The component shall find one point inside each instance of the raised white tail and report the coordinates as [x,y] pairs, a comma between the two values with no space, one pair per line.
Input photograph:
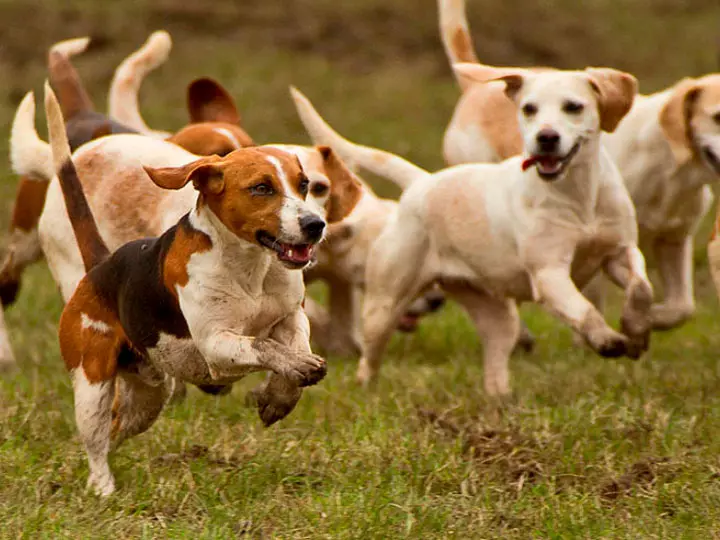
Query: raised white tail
[30,156]
[394,168]
[71,47]
[129,75]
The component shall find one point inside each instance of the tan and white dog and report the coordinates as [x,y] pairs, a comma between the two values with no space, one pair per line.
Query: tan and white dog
[667,149]
[217,296]
[531,228]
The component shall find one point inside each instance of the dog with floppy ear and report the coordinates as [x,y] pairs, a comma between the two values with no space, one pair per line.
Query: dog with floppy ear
[158,307]
[532,228]
[667,148]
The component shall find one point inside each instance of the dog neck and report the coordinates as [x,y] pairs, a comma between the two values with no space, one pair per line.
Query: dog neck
[246,262]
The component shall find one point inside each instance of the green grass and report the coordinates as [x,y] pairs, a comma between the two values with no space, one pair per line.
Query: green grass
[586,448]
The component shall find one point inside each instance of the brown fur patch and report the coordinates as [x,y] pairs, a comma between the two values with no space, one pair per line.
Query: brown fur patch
[93,350]
[185,243]
[208,101]
[345,188]
[205,139]
[242,212]
[462,45]
[29,203]
[68,87]
[496,115]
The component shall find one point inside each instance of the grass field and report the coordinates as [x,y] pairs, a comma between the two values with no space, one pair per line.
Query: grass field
[586,448]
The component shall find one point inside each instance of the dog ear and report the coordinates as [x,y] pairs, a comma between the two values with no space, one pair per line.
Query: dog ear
[208,101]
[616,92]
[675,118]
[345,188]
[206,175]
[512,77]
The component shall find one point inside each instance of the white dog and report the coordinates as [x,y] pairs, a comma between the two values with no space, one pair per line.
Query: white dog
[530,228]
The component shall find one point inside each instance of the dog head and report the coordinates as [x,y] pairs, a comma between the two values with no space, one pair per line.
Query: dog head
[691,121]
[214,127]
[560,110]
[260,194]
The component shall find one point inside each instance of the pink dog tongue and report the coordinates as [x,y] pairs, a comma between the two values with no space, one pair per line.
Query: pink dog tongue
[529,162]
[297,253]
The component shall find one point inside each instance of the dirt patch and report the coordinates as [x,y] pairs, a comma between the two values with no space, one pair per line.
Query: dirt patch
[198,452]
[515,456]
[642,474]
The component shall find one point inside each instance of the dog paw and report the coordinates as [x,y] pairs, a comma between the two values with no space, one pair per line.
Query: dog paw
[306,370]
[611,345]
[101,485]
[272,407]
[667,316]
[638,334]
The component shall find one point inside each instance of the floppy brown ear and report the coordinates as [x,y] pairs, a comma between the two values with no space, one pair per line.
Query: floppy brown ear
[616,92]
[206,175]
[675,119]
[208,101]
[512,77]
[345,188]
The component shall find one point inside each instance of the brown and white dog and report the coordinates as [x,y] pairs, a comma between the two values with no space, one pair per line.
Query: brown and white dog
[525,229]
[340,260]
[214,129]
[667,149]
[217,296]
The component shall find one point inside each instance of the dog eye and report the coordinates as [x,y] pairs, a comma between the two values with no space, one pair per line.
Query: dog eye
[529,109]
[573,107]
[319,189]
[716,118]
[303,186]
[262,190]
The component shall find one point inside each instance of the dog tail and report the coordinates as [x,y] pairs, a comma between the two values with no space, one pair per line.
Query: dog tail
[29,154]
[129,75]
[455,35]
[65,80]
[385,164]
[92,247]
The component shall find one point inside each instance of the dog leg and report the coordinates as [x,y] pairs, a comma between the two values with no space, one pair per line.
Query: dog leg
[595,292]
[395,275]
[7,358]
[332,329]
[675,263]
[93,414]
[553,288]
[627,270]
[279,394]
[498,323]
[136,406]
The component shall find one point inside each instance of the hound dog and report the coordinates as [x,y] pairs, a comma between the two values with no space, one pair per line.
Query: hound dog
[340,261]
[667,149]
[531,228]
[217,296]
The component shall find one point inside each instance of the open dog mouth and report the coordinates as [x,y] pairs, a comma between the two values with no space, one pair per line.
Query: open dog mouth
[291,255]
[712,159]
[550,166]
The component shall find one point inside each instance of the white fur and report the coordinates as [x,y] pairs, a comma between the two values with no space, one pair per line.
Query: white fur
[98,326]
[229,136]
[71,47]
[30,156]
[129,75]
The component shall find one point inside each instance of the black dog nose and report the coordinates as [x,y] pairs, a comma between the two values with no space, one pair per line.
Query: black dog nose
[548,139]
[312,227]
[435,300]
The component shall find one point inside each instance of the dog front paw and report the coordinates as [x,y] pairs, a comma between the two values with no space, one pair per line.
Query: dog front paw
[609,344]
[637,331]
[305,369]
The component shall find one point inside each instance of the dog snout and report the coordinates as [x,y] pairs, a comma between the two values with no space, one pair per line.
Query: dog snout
[548,140]
[435,300]
[312,227]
